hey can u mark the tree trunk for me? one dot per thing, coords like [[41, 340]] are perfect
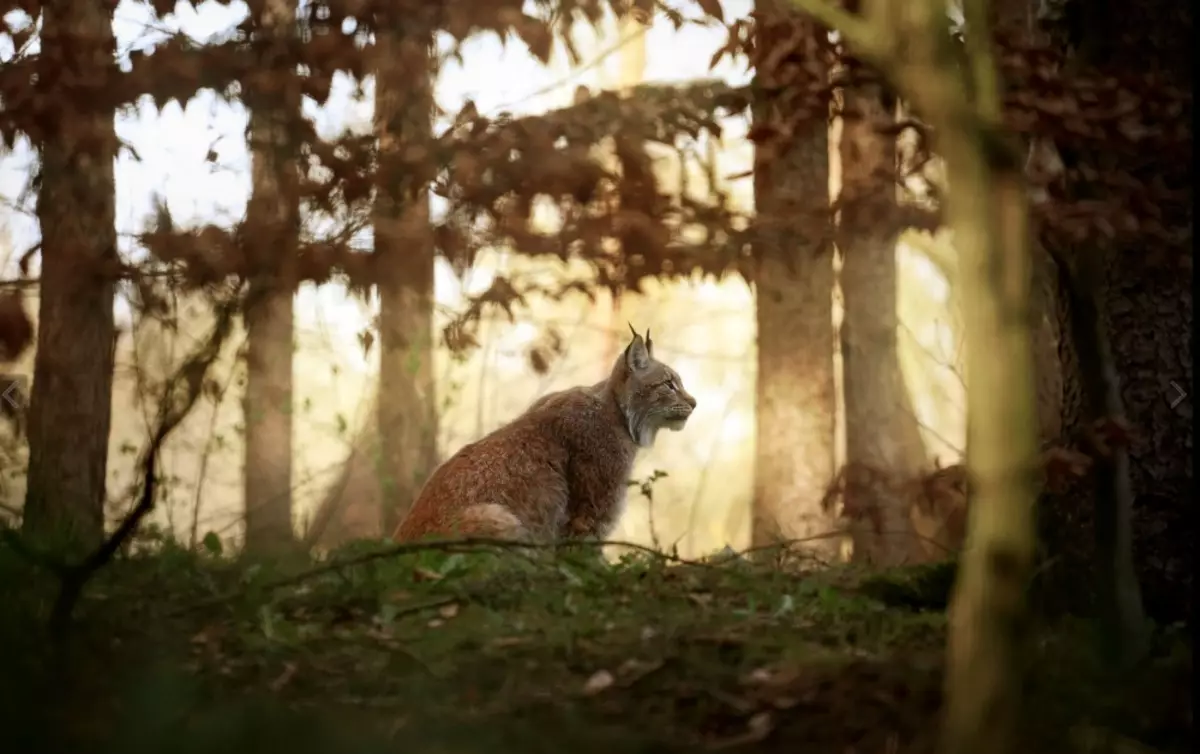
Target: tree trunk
[[1143, 303], [407, 407], [1046, 336], [794, 459], [273, 226], [987, 612], [884, 448], [1150, 318], [987, 209], [1118, 591], [1147, 302], [70, 407]]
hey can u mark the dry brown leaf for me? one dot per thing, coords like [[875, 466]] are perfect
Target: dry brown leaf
[[508, 641], [424, 574], [712, 8], [599, 681], [289, 670]]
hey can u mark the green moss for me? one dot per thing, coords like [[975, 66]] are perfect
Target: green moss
[[505, 651]]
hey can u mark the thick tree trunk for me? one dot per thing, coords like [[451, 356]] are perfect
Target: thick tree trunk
[[1149, 310], [407, 408], [273, 226], [70, 408], [884, 449], [1143, 302], [1147, 302], [1094, 370], [794, 461]]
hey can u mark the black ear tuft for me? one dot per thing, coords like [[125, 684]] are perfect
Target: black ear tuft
[[637, 354], [649, 343]]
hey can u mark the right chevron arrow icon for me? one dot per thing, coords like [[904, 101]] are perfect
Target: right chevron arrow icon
[[1177, 394]]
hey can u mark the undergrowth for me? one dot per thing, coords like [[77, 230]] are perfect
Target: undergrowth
[[512, 651]]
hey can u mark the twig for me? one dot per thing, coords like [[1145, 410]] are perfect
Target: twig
[[172, 410], [202, 474]]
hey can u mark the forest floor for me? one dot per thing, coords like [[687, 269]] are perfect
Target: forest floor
[[465, 653]]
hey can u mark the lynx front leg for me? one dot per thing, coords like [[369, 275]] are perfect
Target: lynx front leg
[[582, 534]]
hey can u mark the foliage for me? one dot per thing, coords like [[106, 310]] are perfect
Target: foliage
[[496, 171], [492, 169]]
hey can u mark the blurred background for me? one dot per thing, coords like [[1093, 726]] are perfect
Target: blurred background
[[197, 160]]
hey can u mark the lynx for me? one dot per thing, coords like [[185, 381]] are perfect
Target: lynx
[[559, 470]]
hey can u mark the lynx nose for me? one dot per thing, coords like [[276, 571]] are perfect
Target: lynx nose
[[690, 401]]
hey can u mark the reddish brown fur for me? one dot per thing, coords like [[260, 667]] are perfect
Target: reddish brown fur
[[559, 470]]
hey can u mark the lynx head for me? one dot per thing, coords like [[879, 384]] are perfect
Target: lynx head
[[649, 393]]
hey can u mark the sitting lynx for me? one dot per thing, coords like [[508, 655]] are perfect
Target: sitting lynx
[[559, 470]]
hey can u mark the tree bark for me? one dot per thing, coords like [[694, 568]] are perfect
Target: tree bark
[[407, 405], [794, 457], [1143, 316], [272, 236], [1147, 304], [1150, 318], [1046, 336], [70, 407], [884, 448], [1118, 591]]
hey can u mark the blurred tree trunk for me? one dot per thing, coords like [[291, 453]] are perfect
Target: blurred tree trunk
[[884, 448], [1016, 18], [987, 211], [407, 402], [70, 408], [272, 232], [987, 208], [795, 403]]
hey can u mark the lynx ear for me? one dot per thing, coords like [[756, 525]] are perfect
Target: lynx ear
[[637, 353]]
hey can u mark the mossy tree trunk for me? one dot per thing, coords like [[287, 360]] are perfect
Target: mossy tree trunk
[[71, 404], [273, 228], [795, 401]]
